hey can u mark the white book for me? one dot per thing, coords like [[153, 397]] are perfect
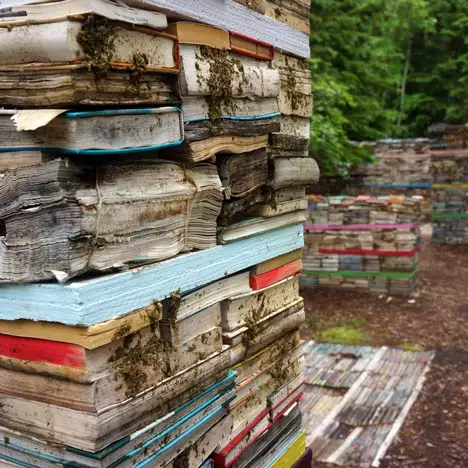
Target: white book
[[117, 130], [53, 11], [195, 108], [59, 42], [254, 226], [248, 77]]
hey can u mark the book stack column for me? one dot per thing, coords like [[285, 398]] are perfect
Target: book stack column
[[152, 193], [401, 167], [449, 167], [363, 243]]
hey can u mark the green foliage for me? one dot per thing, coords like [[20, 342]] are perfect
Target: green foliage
[[384, 68]]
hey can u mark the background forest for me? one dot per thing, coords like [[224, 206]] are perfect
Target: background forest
[[384, 69]]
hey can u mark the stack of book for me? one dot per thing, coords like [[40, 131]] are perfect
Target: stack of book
[[449, 168], [153, 179], [450, 196], [400, 167], [362, 243]]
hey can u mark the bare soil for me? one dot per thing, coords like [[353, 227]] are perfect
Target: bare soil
[[435, 433]]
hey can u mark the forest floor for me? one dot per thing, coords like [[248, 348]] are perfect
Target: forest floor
[[435, 433]]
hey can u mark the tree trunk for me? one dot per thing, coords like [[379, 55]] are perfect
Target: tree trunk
[[404, 80]]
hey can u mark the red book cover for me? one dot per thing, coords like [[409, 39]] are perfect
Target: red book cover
[[274, 276]]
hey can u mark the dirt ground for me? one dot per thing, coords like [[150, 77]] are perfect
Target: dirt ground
[[435, 433]]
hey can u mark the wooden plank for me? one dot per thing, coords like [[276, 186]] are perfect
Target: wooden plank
[[231, 16], [88, 302]]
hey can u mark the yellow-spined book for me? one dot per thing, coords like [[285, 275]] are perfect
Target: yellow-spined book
[[199, 34]]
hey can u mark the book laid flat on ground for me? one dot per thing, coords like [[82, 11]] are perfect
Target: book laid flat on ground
[[253, 226], [91, 132], [88, 217]]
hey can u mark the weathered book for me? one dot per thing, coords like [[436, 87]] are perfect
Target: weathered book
[[205, 206], [87, 337], [71, 41], [242, 173], [281, 445], [276, 262], [280, 273], [250, 409], [295, 96], [248, 340], [199, 34], [238, 209], [121, 293], [280, 201], [205, 149], [41, 12], [231, 16], [254, 226], [95, 430], [161, 433], [91, 132], [204, 35], [202, 130], [294, 13], [245, 45], [32, 85], [288, 393], [251, 307], [294, 172], [206, 70], [195, 455], [291, 146], [262, 200], [281, 348], [88, 217], [197, 108], [101, 377]]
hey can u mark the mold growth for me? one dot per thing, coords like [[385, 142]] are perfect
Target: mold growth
[[140, 62], [97, 40], [224, 68]]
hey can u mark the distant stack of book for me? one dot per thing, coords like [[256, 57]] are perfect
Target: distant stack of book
[[401, 167], [450, 196], [153, 179], [363, 244]]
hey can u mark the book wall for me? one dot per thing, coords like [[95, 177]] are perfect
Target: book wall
[[153, 177], [449, 167], [363, 243]]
